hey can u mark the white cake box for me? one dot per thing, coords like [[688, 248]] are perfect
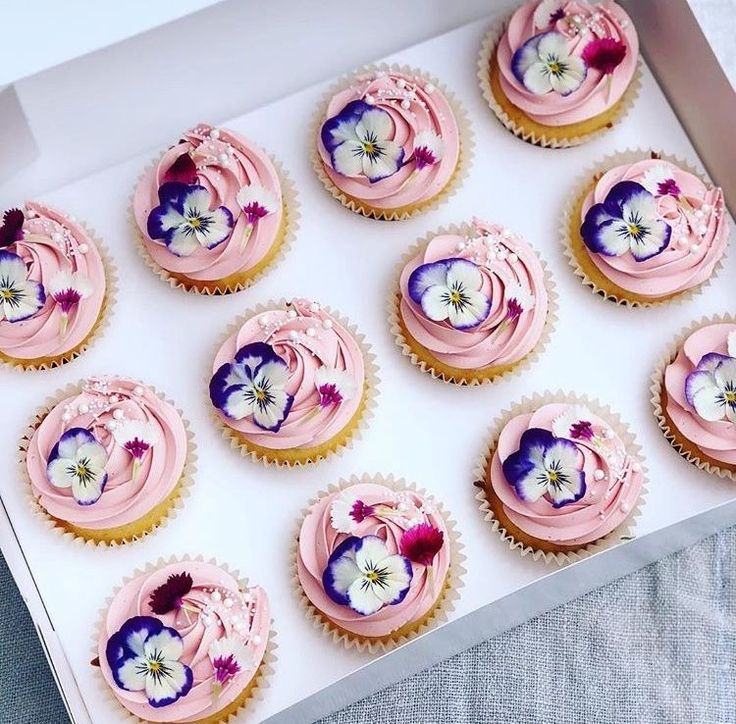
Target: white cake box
[[242, 513]]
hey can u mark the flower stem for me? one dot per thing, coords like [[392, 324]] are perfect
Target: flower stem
[[136, 468], [408, 180], [246, 236], [63, 324]]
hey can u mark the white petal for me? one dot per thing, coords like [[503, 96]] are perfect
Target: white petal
[[374, 125], [276, 373], [386, 163], [436, 304], [89, 492], [197, 202], [240, 403], [344, 573], [166, 687], [27, 303], [474, 311], [271, 415], [570, 79], [706, 401], [465, 273], [132, 675], [340, 517], [347, 158], [429, 139], [170, 646], [345, 131], [171, 219], [362, 597], [532, 486], [615, 237], [60, 473], [217, 230], [397, 577], [537, 79], [183, 241], [371, 551], [640, 207], [544, 12], [525, 58], [13, 268], [95, 454], [257, 194], [553, 45]]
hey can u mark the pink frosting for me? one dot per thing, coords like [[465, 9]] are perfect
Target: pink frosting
[[318, 539], [698, 239], [428, 110], [247, 618], [716, 439], [53, 242], [607, 501], [598, 92], [510, 269], [246, 164], [94, 407], [287, 330]]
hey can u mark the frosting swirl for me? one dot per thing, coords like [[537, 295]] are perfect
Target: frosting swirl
[[102, 406], [307, 339], [216, 606], [53, 244], [715, 438], [698, 222], [612, 479], [417, 110], [225, 163], [513, 281], [392, 514], [579, 23]]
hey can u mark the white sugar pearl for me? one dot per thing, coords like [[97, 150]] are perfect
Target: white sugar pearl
[[228, 603], [138, 390], [429, 88], [112, 425], [114, 399], [460, 245], [291, 314], [83, 409], [57, 237], [400, 83], [224, 159], [707, 208], [83, 248], [599, 474], [214, 134], [293, 335], [66, 416], [624, 508], [256, 639], [216, 596], [327, 323], [405, 104], [369, 99], [314, 307], [513, 258], [311, 332], [694, 248], [703, 230], [118, 414], [699, 214]]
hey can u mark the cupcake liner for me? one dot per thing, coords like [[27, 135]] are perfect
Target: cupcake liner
[[259, 683], [656, 389], [177, 497], [485, 57], [472, 377], [290, 226], [623, 532], [444, 605], [100, 325], [467, 147], [571, 221], [364, 413]]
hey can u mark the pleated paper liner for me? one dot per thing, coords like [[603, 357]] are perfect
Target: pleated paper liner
[[241, 279], [673, 435], [443, 606], [621, 533], [576, 251], [425, 361], [359, 206], [102, 322], [255, 689], [158, 517], [296, 457], [516, 121]]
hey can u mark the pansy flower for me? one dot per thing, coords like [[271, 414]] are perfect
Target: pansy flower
[[544, 64], [334, 386], [545, 465], [359, 141], [78, 461], [363, 574], [627, 221], [184, 220], [450, 290], [711, 388], [137, 437], [11, 230], [144, 656], [229, 657], [67, 289], [253, 385], [20, 297]]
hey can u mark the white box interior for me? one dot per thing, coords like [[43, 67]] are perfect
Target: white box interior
[[242, 513]]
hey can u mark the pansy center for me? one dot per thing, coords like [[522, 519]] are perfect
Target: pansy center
[[555, 66], [369, 146], [82, 471], [9, 292]]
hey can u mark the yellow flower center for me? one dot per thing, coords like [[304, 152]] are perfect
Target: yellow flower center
[[455, 297], [552, 476], [634, 230], [369, 148], [554, 67], [371, 576], [260, 395], [195, 223], [82, 471], [6, 293], [731, 396], [154, 666]]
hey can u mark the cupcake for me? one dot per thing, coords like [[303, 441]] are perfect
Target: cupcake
[[560, 72], [559, 476], [291, 384], [213, 212], [184, 641], [108, 461], [645, 231], [374, 562], [53, 287], [695, 396], [389, 143], [473, 303]]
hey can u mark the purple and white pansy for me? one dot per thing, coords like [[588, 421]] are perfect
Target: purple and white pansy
[[627, 221], [144, 656], [546, 465], [253, 385], [78, 461], [20, 297], [184, 220], [544, 64], [450, 290], [711, 388], [360, 142], [363, 574]]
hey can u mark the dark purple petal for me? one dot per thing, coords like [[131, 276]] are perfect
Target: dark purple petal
[[350, 114], [12, 227], [518, 464], [182, 171], [173, 193], [522, 56], [118, 650], [328, 580], [620, 194], [81, 435], [427, 275], [220, 391], [595, 221]]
